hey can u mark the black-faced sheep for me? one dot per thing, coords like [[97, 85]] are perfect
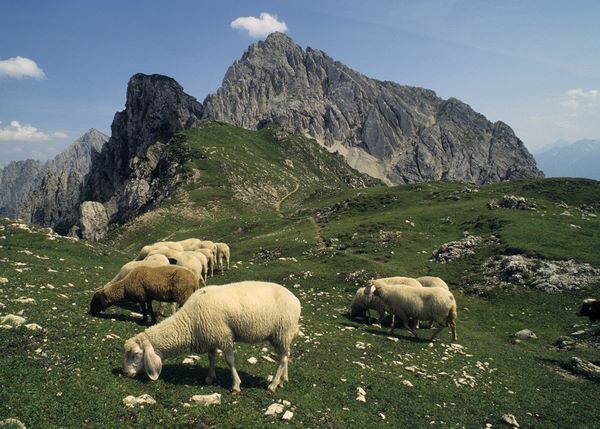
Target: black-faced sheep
[[215, 317], [590, 308], [434, 304], [146, 284]]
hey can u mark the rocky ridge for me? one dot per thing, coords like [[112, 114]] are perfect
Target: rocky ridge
[[17, 179], [396, 133]]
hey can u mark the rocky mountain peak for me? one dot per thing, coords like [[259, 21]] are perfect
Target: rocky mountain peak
[[393, 132]]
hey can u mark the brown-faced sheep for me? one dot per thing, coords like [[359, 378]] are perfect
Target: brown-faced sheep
[[146, 284], [216, 317]]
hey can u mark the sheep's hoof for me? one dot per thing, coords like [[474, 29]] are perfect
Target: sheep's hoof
[[235, 391], [272, 388]]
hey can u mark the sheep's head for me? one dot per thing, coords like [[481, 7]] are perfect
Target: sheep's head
[[99, 302], [588, 308], [140, 355]]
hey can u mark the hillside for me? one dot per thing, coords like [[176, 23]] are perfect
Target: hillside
[[315, 229]]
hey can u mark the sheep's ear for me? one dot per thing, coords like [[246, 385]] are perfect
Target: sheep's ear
[[152, 362], [374, 291]]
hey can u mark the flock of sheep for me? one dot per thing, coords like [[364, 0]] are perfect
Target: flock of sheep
[[215, 317]]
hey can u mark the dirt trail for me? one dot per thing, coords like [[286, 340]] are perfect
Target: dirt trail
[[278, 203], [318, 235]]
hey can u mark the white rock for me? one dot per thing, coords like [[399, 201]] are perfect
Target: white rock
[[525, 334], [188, 361], [252, 360], [407, 383], [274, 409], [3, 280], [145, 399], [13, 320], [510, 419], [34, 327], [382, 416], [268, 359], [206, 400], [394, 339], [136, 315], [23, 300], [287, 415], [361, 398], [361, 391], [12, 423]]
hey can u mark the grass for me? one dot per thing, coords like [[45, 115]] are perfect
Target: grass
[[69, 376]]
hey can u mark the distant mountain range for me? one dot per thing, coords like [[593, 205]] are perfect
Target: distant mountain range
[[564, 159]]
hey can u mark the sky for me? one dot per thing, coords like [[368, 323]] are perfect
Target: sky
[[64, 65]]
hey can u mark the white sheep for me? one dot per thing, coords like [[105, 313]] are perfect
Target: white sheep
[[431, 303], [363, 302], [215, 317], [223, 255], [210, 258], [398, 280], [429, 281], [190, 243], [161, 244], [154, 261]]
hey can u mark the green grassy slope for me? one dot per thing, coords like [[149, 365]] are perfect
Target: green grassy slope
[[323, 232]]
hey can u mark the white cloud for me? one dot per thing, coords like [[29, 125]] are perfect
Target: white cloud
[[585, 101], [21, 67], [259, 27], [17, 132]]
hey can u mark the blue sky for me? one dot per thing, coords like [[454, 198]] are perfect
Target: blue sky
[[532, 64]]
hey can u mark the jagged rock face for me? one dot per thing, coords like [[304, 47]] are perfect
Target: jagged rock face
[[125, 176], [93, 220], [54, 200], [397, 133], [16, 182]]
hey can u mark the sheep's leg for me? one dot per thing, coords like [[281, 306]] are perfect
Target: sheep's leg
[[281, 374], [402, 318], [227, 259], [151, 311], [453, 328], [144, 312], [438, 330], [230, 358], [212, 356]]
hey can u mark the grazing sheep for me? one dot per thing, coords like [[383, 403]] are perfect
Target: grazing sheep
[[210, 258], [154, 261], [222, 255], [430, 303], [192, 261], [591, 308], [161, 244], [143, 285], [215, 317], [398, 280], [190, 243], [363, 302], [429, 281]]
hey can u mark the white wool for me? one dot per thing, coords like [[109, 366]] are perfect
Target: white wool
[[156, 261], [430, 281], [215, 317], [223, 255], [159, 245]]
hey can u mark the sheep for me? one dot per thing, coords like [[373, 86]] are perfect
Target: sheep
[[215, 317], [429, 281], [154, 261], [147, 249], [434, 304], [190, 243], [210, 258], [591, 308], [398, 280], [223, 255], [193, 261], [362, 302], [143, 285]]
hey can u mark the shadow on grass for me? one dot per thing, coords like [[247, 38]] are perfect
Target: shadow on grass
[[177, 374], [409, 336]]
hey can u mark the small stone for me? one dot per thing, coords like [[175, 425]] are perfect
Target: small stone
[[34, 327], [206, 400], [361, 398], [3, 280], [510, 420], [274, 409], [361, 391], [145, 399], [252, 360], [525, 334], [287, 415], [13, 320], [407, 383]]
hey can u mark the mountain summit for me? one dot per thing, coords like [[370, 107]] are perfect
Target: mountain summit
[[394, 132]]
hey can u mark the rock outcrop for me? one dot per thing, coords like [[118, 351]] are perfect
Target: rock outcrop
[[134, 171], [17, 179], [54, 199], [93, 220], [393, 132]]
